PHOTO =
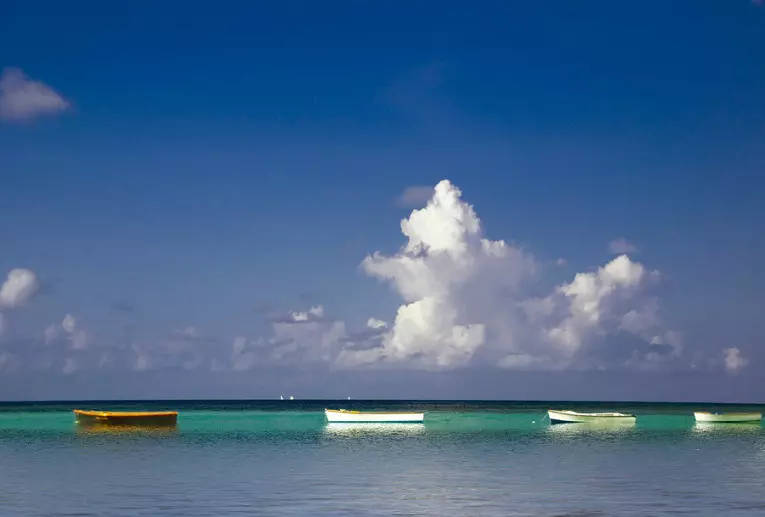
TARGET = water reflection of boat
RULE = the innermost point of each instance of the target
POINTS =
(126, 430)
(727, 427)
(361, 429)
(594, 427)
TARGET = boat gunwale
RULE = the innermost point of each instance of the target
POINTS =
(591, 415)
(732, 413)
(354, 412)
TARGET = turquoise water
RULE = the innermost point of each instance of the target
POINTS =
(475, 458)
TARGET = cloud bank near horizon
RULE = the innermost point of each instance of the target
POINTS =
(466, 301)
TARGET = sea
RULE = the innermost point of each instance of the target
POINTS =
(469, 458)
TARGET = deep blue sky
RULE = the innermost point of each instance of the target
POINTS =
(221, 156)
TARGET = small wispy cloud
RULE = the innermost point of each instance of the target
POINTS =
(734, 360)
(22, 99)
(621, 245)
(69, 330)
(313, 314)
(69, 323)
(20, 285)
(415, 196)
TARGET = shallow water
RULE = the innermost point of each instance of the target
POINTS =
(266, 458)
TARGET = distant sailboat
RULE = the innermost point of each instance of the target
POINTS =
(292, 398)
(281, 397)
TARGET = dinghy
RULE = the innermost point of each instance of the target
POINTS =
(561, 416)
(345, 415)
(127, 418)
(704, 416)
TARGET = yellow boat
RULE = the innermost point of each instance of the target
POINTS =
(127, 418)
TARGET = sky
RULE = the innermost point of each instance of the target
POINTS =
(483, 200)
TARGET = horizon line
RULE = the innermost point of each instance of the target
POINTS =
(424, 400)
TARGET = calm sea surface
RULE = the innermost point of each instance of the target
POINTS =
(467, 459)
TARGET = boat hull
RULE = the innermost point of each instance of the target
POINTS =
(358, 417)
(730, 418)
(126, 418)
(571, 417)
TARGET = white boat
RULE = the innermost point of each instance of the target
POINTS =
(558, 416)
(345, 415)
(704, 416)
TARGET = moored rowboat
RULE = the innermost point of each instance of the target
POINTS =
(126, 418)
(559, 416)
(345, 415)
(704, 416)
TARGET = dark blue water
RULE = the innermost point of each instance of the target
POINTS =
(472, 458)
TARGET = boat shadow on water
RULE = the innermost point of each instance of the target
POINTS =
(124, 430)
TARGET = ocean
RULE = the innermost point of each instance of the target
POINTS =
(281, 458)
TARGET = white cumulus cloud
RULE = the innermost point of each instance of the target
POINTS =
(69, 324)
(591, 299)
(21, 98)
(19, 287)
(68, 331)
(467, 299)
(734, 360)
